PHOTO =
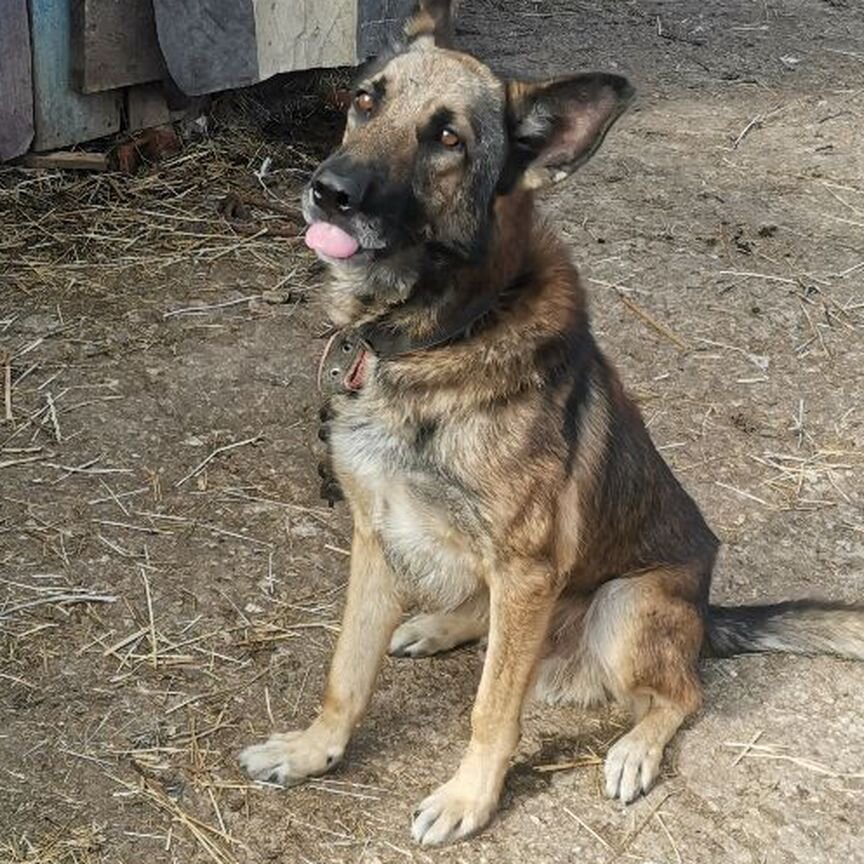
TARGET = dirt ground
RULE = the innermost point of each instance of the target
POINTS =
(721, 234)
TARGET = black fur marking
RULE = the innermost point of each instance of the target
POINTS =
(636, 488)
(326, 412)
(379, 88)
(424, 435)
(436, 124)
(581, 355)
(371, 68)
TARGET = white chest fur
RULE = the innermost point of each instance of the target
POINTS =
(422, 518)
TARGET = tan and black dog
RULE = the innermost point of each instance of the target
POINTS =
(497, 472)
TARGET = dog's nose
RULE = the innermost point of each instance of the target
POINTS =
(339, 191)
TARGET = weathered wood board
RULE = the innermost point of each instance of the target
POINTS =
(146, 107)
(212, 45)
(208, 45)
(67, 160)
(114, 44)
(379, 23)
(304, 34)
(62, 115)
(16, 85)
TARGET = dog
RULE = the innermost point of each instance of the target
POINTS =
(497, 473)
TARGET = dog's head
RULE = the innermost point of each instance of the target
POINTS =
(433, 137)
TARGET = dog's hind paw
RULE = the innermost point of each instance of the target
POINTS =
(425, 635)
(631, 767)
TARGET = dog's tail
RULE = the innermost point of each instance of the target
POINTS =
(793, 627)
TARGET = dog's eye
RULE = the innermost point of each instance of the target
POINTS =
(364, 102)
(450, 139)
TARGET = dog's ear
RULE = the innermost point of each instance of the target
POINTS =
(555, 126)
(432, 23)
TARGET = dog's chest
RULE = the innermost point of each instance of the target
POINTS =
(426, 521)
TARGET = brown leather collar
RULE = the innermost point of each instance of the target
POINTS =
(343, 363)
(386, 339)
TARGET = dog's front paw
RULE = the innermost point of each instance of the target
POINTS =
(453, 812)
(290, 758)
(631, 767)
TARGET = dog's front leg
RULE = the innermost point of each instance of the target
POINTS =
(521, 602)
(372, 612)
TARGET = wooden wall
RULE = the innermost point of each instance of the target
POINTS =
(114, 44)
(380, 22)
(216, 44)
(304, 34)
(208, 45)
(73, 70)
(62, 115)
(16, 83)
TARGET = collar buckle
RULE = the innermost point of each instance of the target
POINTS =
(343, 363)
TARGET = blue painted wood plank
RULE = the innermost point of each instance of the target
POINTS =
(62, 115)
(16, 83)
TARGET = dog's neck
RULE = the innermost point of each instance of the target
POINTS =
(512, 247)
(431, 294)
(538, 325)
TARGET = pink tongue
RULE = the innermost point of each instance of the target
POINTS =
(330, 240)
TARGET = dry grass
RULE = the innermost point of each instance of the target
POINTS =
(68, 844)
(58, 227)
(220, 217)
(786, 753)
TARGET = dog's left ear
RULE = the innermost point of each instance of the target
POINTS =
(432, 23)
(555, 126)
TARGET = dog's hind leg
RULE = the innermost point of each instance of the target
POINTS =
(424, 635)
(646, 632)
